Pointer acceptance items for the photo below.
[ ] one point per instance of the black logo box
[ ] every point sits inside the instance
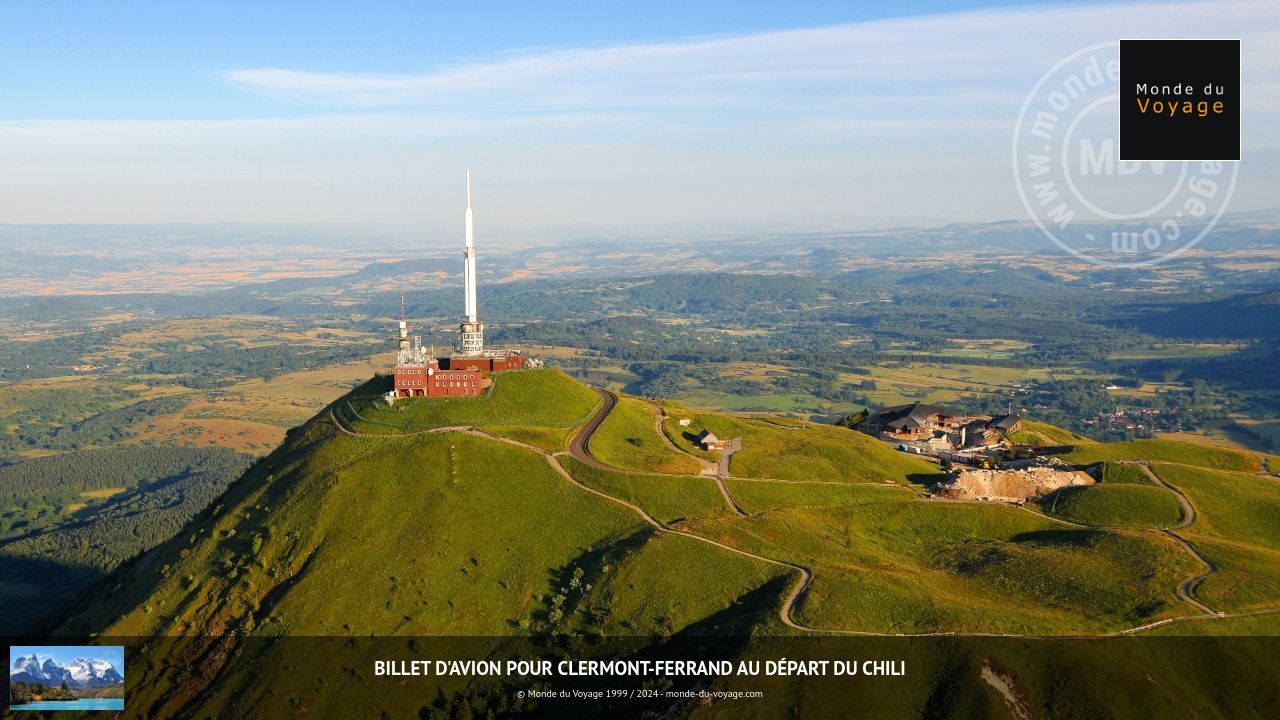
(1205, 73)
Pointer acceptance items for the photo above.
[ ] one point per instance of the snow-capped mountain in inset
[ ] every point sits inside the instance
(81, 672)
(93, 673)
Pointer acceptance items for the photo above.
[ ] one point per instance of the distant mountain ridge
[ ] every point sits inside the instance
(79, 673)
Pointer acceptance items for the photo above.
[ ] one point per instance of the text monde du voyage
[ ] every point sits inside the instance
(637, 668)
(1180, 99)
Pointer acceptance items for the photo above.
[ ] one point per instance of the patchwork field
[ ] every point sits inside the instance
(986, 348)
(899, 383)
(244, 435)
(318, 387)
(1177, 351)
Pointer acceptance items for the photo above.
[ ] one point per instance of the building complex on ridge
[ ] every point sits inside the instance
(419, 373)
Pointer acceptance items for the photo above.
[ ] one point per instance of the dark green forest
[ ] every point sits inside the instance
(50, 548)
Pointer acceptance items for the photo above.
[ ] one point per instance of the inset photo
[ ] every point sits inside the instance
(66, 677)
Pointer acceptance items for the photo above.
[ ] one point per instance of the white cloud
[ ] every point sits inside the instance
(962, 55)
(838, 126)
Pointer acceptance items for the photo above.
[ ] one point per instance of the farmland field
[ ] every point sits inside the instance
(900, 383)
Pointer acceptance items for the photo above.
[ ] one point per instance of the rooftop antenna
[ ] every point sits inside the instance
(403, 343)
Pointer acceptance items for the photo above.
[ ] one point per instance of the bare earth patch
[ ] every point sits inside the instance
(1012, 486)
(1003, 684)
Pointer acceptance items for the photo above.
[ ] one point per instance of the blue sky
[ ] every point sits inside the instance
(64, 654)
(137, 60)
(575, 118)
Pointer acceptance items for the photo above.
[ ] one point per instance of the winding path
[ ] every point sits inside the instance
(705, 466)
(1188, 586)
(579, 447)
(717, 471)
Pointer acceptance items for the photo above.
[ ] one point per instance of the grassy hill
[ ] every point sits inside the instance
(1115, 505)
(793, 450)
(540, 407)
(1167, 451)
(627, 440)
(883, 558)
(543, 397)
(379, 535)
(1038, 433)
(397, 531)
(668, 499)
(1238, 529)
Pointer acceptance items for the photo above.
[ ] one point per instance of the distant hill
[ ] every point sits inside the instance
(1255, 315)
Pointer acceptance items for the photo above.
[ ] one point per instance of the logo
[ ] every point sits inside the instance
(1180, 99)
(1082, 196)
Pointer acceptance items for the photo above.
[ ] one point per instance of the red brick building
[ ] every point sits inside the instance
(428, 380)
(490, 361)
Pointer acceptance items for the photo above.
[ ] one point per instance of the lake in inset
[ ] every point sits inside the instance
(82, 704)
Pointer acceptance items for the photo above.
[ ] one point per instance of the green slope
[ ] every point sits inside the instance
(408, 532)
(380, 535)
(885, 560)
(1237, 529)
(1118, 505)
(627, 439)
(801, 451)
(1167, 451)
(668, 499)
(544, 398)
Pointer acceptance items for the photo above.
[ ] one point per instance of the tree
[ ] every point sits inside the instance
(19, 693)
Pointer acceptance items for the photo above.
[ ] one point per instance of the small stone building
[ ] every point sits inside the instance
(707, 440)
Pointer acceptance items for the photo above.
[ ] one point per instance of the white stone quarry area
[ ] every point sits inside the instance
(1012, 486)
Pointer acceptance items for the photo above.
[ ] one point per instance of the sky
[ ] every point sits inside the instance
(574, 118)
(65, 654)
